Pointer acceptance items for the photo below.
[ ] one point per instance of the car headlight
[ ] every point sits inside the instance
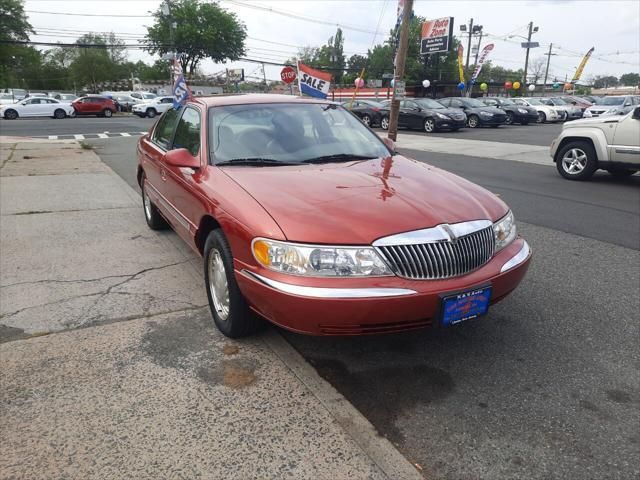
(504, 231)
(486, 114)
(522, 111)
(318, 260)
(440, 115)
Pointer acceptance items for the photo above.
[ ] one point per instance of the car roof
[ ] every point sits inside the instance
(255, 98)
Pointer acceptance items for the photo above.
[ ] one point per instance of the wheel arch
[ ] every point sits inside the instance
(597, 141)
(207, 224)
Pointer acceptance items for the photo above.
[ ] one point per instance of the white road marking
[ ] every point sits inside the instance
(53, 137)
(124, 134)
(103, 135)
(78, 137)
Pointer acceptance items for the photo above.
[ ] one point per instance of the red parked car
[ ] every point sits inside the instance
(307, 218)
(94, 105)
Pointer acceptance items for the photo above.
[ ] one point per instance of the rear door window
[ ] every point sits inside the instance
(163, 133)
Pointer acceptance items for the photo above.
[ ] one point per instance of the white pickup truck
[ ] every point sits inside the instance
(611, 143)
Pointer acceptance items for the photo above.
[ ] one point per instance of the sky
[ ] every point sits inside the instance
(573, 26)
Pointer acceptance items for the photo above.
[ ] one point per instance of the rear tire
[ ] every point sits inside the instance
(59, 114)
(473, 121)
(151, 112)
(509, 119)
(151, 214)
(542, 118)
(107, 113)
(577, 160)
(229, 309)
(429, 125)
(366, 119)
(384, 123)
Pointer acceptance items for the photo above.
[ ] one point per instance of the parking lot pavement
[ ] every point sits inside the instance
(70, 128)
(111, 365)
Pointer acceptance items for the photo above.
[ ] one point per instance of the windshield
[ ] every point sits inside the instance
(371, 103)
(559, 101)
(472, 102)
(611, 101)
(506, 101)
(535, 101)
(148, 95)
(428, 103)
(289, 133)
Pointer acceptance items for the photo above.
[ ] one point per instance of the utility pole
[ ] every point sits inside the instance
(546, 71)
(479, 43)
(526, 61)
(401, 58)
(264, 78)
(469, 44)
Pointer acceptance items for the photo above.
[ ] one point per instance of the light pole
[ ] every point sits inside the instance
(166, 11)
(532, 30)
(546, 71)
(476, 29)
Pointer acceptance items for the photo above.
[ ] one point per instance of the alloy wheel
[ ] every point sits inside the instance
(384, 123)
(574, 161)
(509, 119)
(541, 117)
(218, 286)
(473, 121)
(366, 119)
(429, 125)
(147, 202)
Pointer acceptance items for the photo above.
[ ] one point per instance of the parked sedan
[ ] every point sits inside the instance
(37, 107)
(546, 113)
(426, 114)
(307, 218)
(7, 99)
(521, 114)
(124, 103)
(478, 114)
(568, 111)
(95, 105)
(367, 110)
(155, 107)
(612, 106)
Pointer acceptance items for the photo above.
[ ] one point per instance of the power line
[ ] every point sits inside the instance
(89, 14)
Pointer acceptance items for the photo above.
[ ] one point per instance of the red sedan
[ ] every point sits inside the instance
(306, 217)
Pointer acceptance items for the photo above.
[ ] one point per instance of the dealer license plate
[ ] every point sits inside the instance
(464, 306)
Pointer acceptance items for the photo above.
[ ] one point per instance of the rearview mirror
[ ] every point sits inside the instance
(636, 113)
(391, 145)
(181, 157)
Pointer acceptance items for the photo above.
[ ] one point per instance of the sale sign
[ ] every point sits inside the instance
(313, 82)
(436, 35)
(288, 74)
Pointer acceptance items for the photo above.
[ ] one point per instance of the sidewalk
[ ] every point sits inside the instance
(111, 365)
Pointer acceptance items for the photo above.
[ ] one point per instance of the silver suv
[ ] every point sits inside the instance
(611, 143)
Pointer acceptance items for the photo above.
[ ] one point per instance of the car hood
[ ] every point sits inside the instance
(494, 110)
(445, 111)
(358, 202)
(593, 121)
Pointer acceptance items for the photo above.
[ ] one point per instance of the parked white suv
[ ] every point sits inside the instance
(155, 107)
(610, 143)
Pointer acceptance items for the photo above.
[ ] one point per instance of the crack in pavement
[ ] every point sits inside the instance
(128, 278)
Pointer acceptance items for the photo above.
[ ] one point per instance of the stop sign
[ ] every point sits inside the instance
(288, 74)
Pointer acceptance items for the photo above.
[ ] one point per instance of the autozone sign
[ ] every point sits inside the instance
(436, 35)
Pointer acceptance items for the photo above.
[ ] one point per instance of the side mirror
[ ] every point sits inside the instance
(418, 109)
(636, 113)
(181, 157)
(391, 145)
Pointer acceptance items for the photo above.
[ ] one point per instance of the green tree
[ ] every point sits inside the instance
(93, 66)
(630, 79)
(379, 61)
(331, 56)
(306, 55)
(605, 81)
(355, 64)
(14, 27)
(202, 30)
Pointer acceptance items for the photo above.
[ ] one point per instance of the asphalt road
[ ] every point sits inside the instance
(43, 127)
(547, 385)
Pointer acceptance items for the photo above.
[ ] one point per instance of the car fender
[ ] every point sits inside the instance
(595, 135)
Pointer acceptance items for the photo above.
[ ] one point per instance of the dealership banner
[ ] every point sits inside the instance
(460, 70)
(483, 56)
(584, 61)
(436, 35)
(313, 82)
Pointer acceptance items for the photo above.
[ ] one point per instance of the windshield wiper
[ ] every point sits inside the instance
(255, 161)
(338, 157)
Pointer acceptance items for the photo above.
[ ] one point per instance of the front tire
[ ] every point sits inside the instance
(366, 119)
(473, 121)
(429, 125)
(542, 118)
(151, 112)
(577, 160)
(59, 114)
(10, 114)
(229, 309)
(509, 119)
(384, 123)
(151, 213)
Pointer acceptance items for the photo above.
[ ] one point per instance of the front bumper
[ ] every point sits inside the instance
(525, 117)
(495, 120)
(450, 123)
(367, 306)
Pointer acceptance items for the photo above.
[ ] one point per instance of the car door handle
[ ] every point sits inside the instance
(163, 174)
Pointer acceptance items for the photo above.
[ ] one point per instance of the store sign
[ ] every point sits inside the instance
(235, 75)
(436, 35)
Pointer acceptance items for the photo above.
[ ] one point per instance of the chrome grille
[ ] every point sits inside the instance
(439, 258)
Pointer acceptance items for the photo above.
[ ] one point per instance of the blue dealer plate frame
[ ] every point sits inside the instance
(463, 306)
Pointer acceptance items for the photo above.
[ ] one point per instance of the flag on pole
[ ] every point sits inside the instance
(460, 70)
(313, 82)
(181, 92)
(584, 61)
(483, 56)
